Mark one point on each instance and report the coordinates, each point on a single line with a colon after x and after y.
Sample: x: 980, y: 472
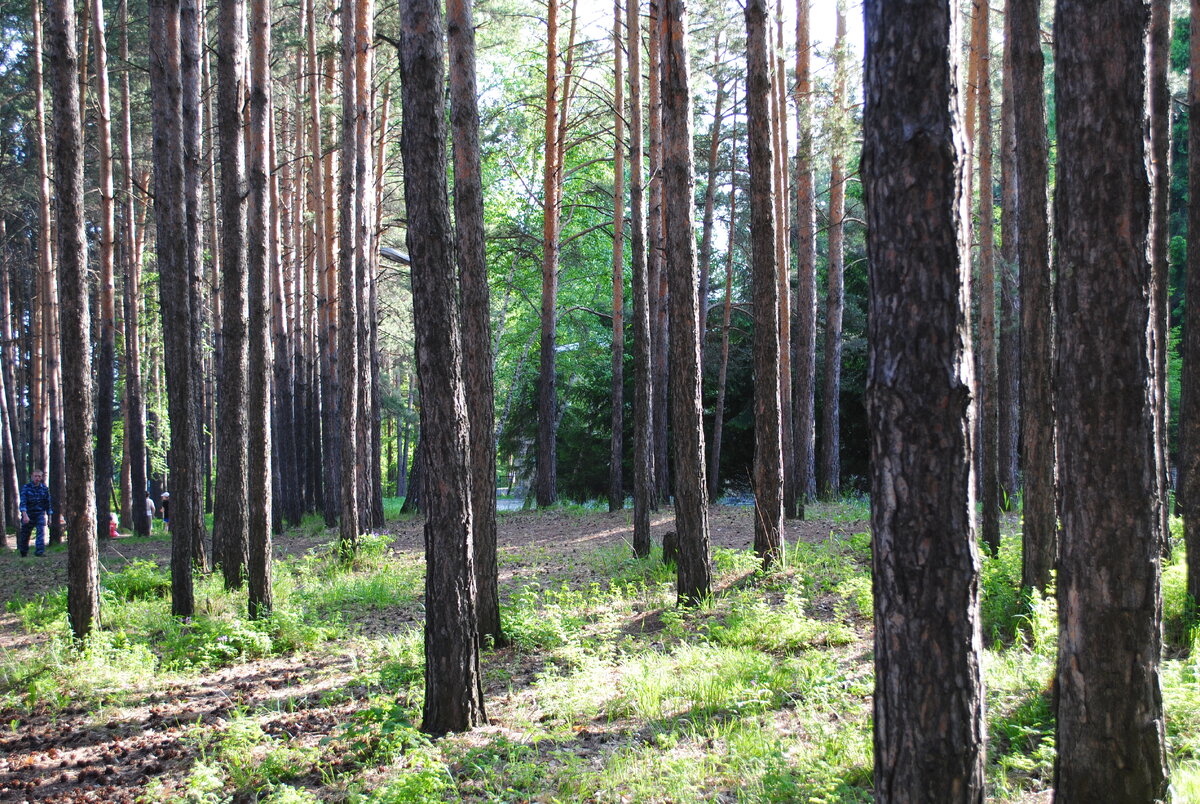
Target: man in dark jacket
x: 35, y: 508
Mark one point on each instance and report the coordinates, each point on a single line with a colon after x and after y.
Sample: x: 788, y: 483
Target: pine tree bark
x: 656, y: 254
x: 989, y: 414
x: 259, y: 312
x: 476, y: 314
x: 106, y: 350
x: 1008, y: 393
x: 1110, y: 730
x: 804, y: 358
x: 231, y: 538
x: 78, y: 503
x: 687, y: 411
x: 1037, y: 349
x: 1160, y: 153
x: 929, y: 728
x: 830, y: 477
x: 782, y: 278
x: 453, y: 681
x: 348, y: 289
x: 170, y: 212
x: 643, y: 394
x: 616, y: 456
x: 1189, y: 403
x: 364, y: 229
x: 547, y: 452
x: 768, y: 443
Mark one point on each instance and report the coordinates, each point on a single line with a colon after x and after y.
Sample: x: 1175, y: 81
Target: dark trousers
x: 36, y: 520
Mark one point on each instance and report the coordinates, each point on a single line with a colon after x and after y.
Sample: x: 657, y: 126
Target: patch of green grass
x: 783, y: 628
x: 1001, y: 600
x: 1185, y: 783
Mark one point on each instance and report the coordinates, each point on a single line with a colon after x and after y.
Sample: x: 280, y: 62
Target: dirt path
x: 78, y: 755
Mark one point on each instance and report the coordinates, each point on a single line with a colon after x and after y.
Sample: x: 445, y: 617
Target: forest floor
x: 606, y: 692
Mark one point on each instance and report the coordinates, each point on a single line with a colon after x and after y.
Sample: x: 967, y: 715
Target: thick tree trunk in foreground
x: 768, y: 445
x: 453, y: 681
x: 166, y: 82
x: 804, y: 332
x: 78, y: 503
x: 1110, y: 732
x: 1037, y: 348
x: 929, y: 729
x: 476, y: 313
x: 687, y: 412
x: 231, y: 514
x: 616, y: 484
x: 643, y: 394
x: 258, y: 462
x: 1189, y: 413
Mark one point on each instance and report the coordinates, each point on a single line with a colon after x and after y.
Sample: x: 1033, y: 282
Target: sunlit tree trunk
x: 547, y: 452
x: 1108, y: 704
x: 78, y: 502
x: 687, y: 410
x: 929, y: 731
x: 348, y: 288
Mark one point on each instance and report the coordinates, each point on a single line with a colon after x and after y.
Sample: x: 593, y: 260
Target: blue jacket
x: 35, y: 498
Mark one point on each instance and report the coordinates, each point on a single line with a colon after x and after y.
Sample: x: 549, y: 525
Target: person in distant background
x: 166, y: 507
x: 112, y: 526
x: 150, y: 508
x: 35, y: 508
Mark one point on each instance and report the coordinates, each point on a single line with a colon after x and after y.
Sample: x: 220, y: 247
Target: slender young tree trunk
x: 714, y: 454
x: 768, y: 442
x: 782, y: 280
x: 283, y: 397
x: 547, y: 452
x: 476, y: 313
x: 231, y: 538
x: 1037, y: 349
x: 8, y: 365
x: 1189, y: 407
x: 170, y: 212
x: 987, y: 304
x: 348, y: 279
x: 1109, y: 718
x: 616, y: 485
x: 78, y: 502
x: 258, y: 217
x: 835, y: 292
x: 105, y: 353
x: 1160, y: 154
x: 453, y: 681
x: 1008, y: 393
x: 929, y: 727
x: 193, y: 175
x: 687, y: 410
x: 643, y: 393
x: 656, y: 249
x: 804, y: 359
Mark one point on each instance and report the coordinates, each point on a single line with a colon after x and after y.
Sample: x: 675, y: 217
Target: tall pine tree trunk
x: 1008, y: 392
x: 1109, y: 717
x: 768, y: 443
x: 687, y: 411
x: 348, y: 288
x: 656, y: 254
x: 987, y: 305
x: 804, y: 358
x: 547, y: 452
x: 1160, y: 154
x: 78, y: 503
x: 616, y: 456
x: 1189, y: 403
x: 929, y: 728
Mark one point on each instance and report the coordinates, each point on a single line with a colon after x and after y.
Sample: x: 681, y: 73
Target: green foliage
x: 138, y: 580
x: 1002, y: 603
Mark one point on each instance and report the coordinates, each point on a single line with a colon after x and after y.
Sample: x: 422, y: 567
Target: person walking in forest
x: 35, y: 508
x: 166, y: 507
x: 149, y: 509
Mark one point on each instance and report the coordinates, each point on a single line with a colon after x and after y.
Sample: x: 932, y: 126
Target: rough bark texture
x: 231, y: 511
x: 768, y: 444
x: 1189, y: 403
x: 174, y: 294
x: 135, y: 406
x: 656, y: 253
x: 687, y: 412
x: 1008, y: 391
x: 929, y: 729
x: 989, y: 414
x: 78, y: 503
x: 1109, y: 735
x: 616, y: 484
x: 348, y: 282
x: 1037, y: 349
x: 476, y: 313
x: 453, y: 681
x: 643, y: 396
x: 779, y: 106
x: 1160, y: 139
x: 547, y: 451
x: 364, y: 246
x: 830, y: 471
x: 106, y: 348
x: 804, y: 331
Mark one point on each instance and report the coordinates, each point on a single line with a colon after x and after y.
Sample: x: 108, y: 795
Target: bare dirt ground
x: 79, y: 755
